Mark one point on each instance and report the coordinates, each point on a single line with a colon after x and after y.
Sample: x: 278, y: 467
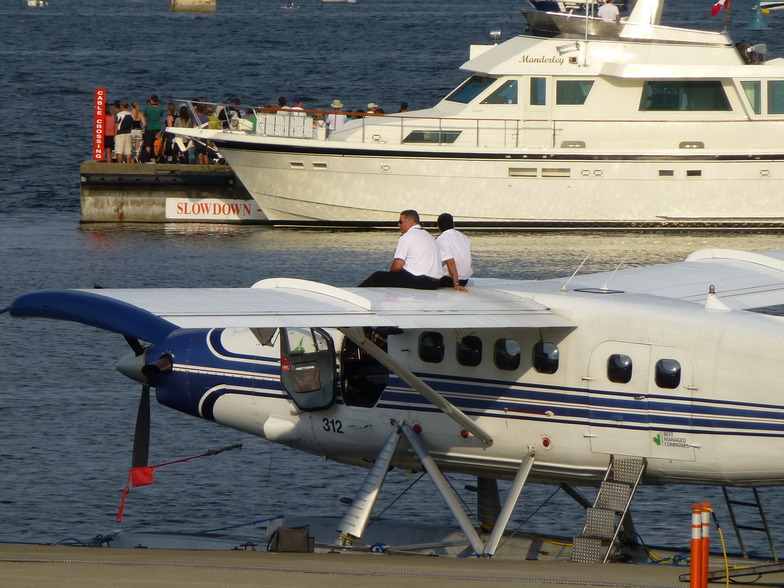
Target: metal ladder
x: 763, y: 522
x: 609, y: 511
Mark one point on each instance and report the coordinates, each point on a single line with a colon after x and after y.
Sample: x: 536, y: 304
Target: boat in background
x: 772, y: 5
x: 603, y: 125
x: 37, y: 2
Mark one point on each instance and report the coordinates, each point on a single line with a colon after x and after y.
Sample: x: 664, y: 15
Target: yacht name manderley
x: 542, y: 59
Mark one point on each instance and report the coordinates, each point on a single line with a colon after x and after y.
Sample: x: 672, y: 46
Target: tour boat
x: 604, y: 125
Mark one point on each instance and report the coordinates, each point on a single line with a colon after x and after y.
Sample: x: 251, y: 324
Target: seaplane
x: 643, y: 375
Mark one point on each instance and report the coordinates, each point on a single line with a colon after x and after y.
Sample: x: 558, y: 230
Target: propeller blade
x: 141, y: 436
x: 135, y: 345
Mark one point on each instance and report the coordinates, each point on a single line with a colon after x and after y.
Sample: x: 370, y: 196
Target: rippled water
x: 66, y: 416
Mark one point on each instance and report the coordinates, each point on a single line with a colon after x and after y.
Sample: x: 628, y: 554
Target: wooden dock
x: 164, y: 193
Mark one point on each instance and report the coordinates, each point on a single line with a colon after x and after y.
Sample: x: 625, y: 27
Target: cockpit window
x: 470, y: 89
x: 505, y: 94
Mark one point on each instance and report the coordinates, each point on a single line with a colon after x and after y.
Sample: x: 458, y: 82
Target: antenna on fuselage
x: 563, y: 288
x: 612, y: 275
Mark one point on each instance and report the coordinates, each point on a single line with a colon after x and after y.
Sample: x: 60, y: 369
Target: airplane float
x: 649, y: 375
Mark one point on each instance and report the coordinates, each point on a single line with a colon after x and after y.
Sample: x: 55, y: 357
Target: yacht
x: 577, y: 124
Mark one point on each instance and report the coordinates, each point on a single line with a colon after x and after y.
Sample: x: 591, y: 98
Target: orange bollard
x: 706, y: 516
x: 695, y: 576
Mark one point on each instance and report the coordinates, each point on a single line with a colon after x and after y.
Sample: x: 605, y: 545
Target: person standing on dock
x: 417, y: 262
x: 152, y: 115
x: 122, y: 140
x: 110, y: 124
x: 455, y: 250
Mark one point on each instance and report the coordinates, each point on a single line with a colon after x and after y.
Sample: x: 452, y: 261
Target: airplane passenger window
x: 619, y: 368
x: 506, y: 94
x: 545, y: 357
x: 469, y: 351
x: 506, y: 355
x: 668, y: 373
x: 431, y: 347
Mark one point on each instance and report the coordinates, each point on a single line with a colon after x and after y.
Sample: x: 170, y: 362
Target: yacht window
x: 506, y: 94
x: 538, y: 91
x: 432, y: 137
x: 470, y: 89
x: 684, y: 96
x: 431, y: 347
x: 506, y: 355
x: 572, y: 91
x: 668, y: 373
x: 469, y: 351
x: 754, y: 95
x: 619, y: 368
x: 545, y: 357
x: 776, y: 97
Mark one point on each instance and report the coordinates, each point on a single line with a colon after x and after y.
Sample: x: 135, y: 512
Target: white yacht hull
x: 515, y: 190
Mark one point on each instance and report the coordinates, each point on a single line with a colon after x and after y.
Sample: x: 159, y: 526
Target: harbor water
x: 66, y: 415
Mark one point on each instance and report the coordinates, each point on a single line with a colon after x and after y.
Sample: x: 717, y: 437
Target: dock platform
x: 164, y: 193
x: 75, y: 567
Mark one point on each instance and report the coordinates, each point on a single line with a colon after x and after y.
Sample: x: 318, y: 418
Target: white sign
x: 212, y: 209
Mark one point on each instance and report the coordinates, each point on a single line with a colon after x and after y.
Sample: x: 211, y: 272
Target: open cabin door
x: 640, y: 400
x: 307, y: 367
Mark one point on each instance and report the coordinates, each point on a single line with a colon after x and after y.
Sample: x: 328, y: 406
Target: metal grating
x: 627, y: 469
x: 588, y: 550
x: 600, y: 523
x: 613, y: 496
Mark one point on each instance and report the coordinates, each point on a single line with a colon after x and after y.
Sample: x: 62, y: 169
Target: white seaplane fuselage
x: 723, y: 423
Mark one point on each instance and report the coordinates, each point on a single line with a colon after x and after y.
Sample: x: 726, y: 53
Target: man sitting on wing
x: 417, y: 262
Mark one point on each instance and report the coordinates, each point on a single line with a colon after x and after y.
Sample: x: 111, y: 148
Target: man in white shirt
x: 336, y: 118
x: 608, y: 12
x: 455, y: 250
x: 417, y: 262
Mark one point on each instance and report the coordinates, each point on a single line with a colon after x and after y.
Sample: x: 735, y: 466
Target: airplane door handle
x: 640, y: 397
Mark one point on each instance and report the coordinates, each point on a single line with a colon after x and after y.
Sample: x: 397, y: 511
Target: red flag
x: 142, y: 476
x: 718, y: 6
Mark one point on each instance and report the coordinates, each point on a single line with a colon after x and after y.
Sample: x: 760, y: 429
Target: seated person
x: 417, y: 262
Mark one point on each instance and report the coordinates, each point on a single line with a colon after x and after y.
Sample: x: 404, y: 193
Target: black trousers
x: 401, y: 279
x: 446, y: 282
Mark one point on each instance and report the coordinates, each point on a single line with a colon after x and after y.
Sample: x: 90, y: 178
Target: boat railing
x: 373, y: 128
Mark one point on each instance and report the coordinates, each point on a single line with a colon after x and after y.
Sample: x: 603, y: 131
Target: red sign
x: 98, y: 124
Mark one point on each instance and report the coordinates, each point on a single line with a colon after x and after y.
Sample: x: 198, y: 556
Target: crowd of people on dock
x: 137, y: 134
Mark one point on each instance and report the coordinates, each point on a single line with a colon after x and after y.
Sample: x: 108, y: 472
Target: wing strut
x: 357, y: 335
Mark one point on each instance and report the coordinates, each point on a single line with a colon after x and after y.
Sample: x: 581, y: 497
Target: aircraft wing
x: 284, y: 303
x: 742, y: 280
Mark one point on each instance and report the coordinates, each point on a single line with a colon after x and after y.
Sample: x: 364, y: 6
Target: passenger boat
x: 604, y: 125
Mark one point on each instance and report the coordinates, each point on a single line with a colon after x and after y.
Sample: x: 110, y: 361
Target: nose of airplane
x: 131, y: 366
x: 140, y: 369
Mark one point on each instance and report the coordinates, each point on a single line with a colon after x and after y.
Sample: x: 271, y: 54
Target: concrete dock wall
x: 147, y: 193
x: 193, y: 5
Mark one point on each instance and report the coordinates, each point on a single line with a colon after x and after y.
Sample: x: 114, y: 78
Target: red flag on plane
x: 718, y: 6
